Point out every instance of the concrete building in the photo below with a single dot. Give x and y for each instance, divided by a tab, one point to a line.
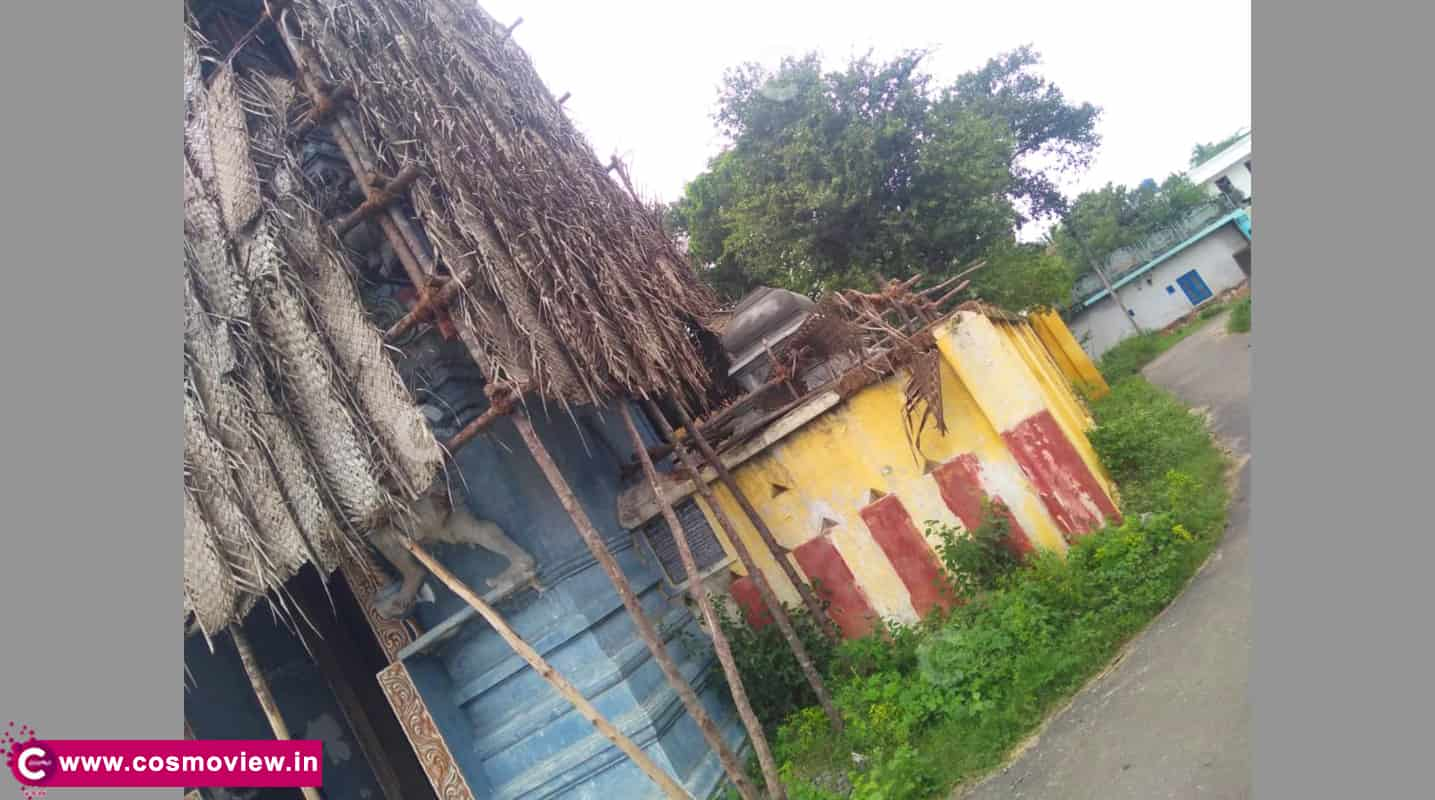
1212	260
849	491
1227	173
1164	277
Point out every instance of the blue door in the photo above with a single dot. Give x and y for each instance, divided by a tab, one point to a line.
1195	288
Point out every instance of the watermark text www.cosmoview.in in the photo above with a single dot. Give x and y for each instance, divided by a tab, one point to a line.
185	763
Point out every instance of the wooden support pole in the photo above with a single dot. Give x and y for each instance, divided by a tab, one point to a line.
479	424
324	109
764	589
779	370
545	670
379	197
436	300
262	693
946	298
778	553
741	405
395	226
1100	273
710	618
396	223
646	630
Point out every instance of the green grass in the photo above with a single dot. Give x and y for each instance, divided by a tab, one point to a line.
930	706
1212	310
1131	354
1240	319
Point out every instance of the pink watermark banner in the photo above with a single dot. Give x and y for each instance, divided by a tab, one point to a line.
159	763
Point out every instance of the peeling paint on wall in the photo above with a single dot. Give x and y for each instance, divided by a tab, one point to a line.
856	494
836	584
963	487
1066	485
909	553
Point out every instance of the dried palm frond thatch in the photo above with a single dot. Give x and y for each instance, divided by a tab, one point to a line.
296	425
576	291
300	435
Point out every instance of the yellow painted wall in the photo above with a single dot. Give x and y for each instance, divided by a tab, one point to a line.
1078	367
1066	406
829	469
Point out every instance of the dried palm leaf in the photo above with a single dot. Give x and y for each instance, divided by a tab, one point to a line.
213	485
304	366
209	589
219	281
235	179
575	286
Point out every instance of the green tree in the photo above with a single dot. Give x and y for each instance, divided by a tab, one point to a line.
1114	217
1046	129
1201	153
838	179
1019	276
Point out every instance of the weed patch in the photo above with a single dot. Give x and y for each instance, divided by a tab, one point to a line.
1212	310
930	705
1131	354
1240	319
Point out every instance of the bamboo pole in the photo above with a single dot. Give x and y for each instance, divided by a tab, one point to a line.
644	625
402	238
545	670
710	618
265	697
395	227
1100	273
436	301
764	589
778	554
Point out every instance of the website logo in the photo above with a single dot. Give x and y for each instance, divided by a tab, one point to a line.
158	763
31	761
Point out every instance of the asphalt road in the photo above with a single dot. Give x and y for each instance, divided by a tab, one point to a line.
1171	719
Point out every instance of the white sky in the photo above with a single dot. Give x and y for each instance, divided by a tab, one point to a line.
644	74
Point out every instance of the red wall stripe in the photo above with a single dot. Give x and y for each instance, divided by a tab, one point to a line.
745	592
960	482
911	557
1066	485
848	607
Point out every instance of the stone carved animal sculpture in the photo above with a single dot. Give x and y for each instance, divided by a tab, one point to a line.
436	519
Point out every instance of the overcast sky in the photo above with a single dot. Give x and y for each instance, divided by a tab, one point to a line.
644	74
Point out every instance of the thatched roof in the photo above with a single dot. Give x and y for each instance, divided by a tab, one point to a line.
300	437
579	292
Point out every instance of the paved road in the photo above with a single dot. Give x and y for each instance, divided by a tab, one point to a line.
1171	720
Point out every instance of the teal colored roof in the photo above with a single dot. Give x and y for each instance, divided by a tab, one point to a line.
1238	216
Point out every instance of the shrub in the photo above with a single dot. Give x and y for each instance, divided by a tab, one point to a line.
927	705
887	709
1161	454
780	686
893	648
902	774
1141	432
1240	319
1212	310
978	560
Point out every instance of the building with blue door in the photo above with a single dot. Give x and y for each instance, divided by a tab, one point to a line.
1211	260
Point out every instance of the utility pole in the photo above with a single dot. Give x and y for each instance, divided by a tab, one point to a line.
1111	290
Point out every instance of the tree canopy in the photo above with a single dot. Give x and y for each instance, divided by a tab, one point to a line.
1114	217
835	179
